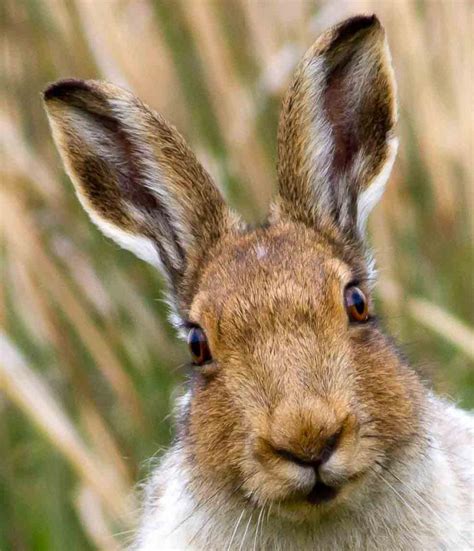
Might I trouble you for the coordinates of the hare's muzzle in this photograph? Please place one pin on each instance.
(305, 450)
(319, 491)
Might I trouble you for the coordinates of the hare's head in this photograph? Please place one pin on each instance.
(295, 396)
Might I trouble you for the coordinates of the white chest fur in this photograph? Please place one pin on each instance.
(427, 504)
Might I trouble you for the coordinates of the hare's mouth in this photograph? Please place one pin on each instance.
(320, 499)
(321, 493)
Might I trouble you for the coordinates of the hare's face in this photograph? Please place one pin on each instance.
(300, 401)
(299, 396)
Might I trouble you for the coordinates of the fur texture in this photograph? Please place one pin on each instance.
(422, 502)
(306, 429)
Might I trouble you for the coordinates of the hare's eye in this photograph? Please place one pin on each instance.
(356, 304)
(198, 346)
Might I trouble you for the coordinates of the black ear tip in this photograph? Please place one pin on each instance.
(360, 22)
(64, 89)
(357, 25)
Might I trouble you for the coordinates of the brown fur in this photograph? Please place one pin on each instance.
(356, 100)
(114, 178)
(290, 371)
(292, 380)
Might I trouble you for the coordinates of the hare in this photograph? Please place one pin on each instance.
(303, 427)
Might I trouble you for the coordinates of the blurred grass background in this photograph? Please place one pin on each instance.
(87, 359)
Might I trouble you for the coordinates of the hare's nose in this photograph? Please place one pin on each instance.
(307, 432)
(314, 460)
(318, 492)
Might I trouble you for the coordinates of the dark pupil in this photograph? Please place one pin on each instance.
(359, 302)
(196, 343)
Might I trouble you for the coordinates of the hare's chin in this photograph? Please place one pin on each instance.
(301, 510)
(312, 508)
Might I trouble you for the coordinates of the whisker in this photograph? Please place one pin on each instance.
(209, 518)
(269, 508)
(236, 527)
(397, 493)
(246, 529)
(199, 506)
(259, 519)
(268, 511)
(419, 498)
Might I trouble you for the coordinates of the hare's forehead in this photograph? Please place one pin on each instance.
(268, 270)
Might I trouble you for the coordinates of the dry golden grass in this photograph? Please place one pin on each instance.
(87, 359)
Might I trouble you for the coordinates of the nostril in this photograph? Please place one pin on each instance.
(329, 447)
(312, 460)
(290, 456)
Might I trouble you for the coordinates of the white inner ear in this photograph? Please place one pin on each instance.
(371, 196)
(154, 178)
(139, 245)
(320, 146)
(102, 141)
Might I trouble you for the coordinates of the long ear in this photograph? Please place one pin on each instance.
(336, 145)
(136, 178)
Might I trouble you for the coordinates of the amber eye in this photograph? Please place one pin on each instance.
(356, 304)
(198, 346)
